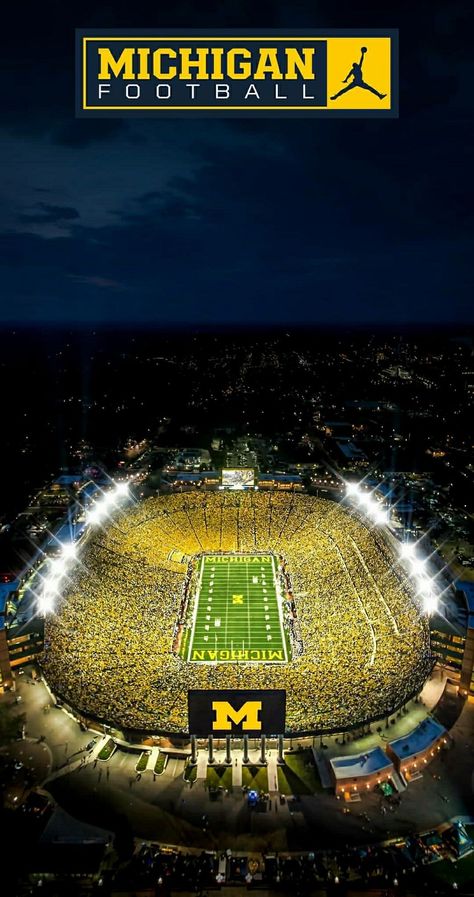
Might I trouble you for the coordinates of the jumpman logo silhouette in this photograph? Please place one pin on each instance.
(357, 79)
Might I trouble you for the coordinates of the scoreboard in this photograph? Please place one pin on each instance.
(238, 478)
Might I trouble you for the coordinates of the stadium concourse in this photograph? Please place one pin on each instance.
(109, 641)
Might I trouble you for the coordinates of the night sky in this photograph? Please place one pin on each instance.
(219, 221)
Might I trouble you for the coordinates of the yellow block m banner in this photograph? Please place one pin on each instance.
(236, 712)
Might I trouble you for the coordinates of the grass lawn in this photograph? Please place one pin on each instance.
(161, 763)
(190, 772)
(299, 774)
(107, 750)
(219, 775)
(255, 777)
(142, 761)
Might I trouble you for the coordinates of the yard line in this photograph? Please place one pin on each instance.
(248, 605)
(227, 608)
(196, 602)
(279, 603)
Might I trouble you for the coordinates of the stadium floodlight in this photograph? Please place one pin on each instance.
(57, 568)
(121, 488)
(407, 551)
(380, 516)
(96, 514)
(352, 489)
(430, 603)
(68, 551)
(48, 595)
(424, 586)
(50, 586)
(418, 566)
(46, 603)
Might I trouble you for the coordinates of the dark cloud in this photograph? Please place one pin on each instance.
(95, 280)
(239, 220)
(44, 213)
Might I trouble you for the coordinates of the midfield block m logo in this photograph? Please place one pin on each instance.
(248, 715)
(236, 712)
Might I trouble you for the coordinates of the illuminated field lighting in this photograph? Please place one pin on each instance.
(418, 566)
(69, 551)
(97, 514)
(57, 568)
(50, 587)
(407, 551)
(430, 603)
(103, 507)
(352, 489)
(424, 586)
(380, 516)
(46, 603)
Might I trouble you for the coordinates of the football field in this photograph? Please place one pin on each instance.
(237, 613)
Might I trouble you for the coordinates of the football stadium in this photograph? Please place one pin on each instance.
(236, 590)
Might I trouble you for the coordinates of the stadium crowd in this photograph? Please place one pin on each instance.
(109, 643)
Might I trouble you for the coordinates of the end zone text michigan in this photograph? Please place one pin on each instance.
(335, 73)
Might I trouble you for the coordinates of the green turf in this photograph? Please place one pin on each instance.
(107, 750)
(237, 616)
(219, 776)
(160, 763)
(142, 762)
(190, 772)
(255, 777)
(299, 774)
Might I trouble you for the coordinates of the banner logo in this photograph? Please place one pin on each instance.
(236, 712)
(248, 715)
(331, 73)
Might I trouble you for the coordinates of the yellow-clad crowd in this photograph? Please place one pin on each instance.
(108, 645)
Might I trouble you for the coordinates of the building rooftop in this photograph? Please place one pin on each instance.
(468, 589)
(355, 765)
(417, 741)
